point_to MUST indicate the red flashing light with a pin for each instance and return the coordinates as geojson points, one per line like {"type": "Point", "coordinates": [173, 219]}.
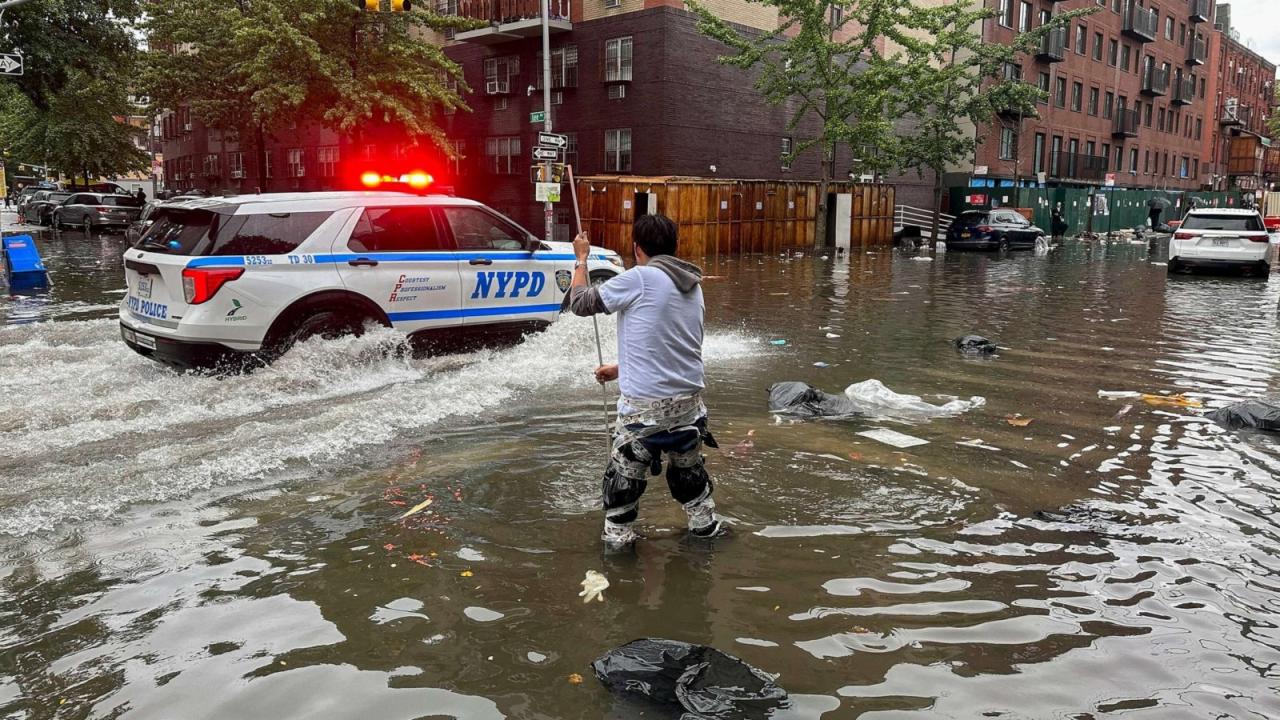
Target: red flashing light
{"type": "Point", "coordinates": [419, 180]}
{"type": "Point", "coordinates": [200, 284]}
{"type": "Point", "coordinates": [370, 179]}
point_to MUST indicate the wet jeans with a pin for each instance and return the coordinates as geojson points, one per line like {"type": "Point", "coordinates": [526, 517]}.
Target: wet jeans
{"type": "Point", "coordinates": [626, 477]}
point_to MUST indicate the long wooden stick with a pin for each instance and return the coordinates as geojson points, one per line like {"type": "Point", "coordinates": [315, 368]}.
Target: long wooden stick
{"type": "Point", "coordinates": [595, 323]}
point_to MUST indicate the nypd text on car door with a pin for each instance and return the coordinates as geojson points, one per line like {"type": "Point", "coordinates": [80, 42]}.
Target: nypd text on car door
{"type": "Point", "coordinates": [503, 281]}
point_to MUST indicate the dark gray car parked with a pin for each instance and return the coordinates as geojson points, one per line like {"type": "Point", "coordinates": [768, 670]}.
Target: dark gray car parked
{"type": "Point", "coordinates": [91, 211]}
{"type": "Point", "coordinates": [39, 209]}
{"type": "Point", "coordinates": [998, 229]}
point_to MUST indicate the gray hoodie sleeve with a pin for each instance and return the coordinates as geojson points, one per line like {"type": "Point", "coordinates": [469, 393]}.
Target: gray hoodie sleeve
{"type": "Point", "coordinates": [586, 301]}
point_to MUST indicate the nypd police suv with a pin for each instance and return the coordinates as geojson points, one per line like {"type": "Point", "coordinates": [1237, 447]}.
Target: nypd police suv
{"type": "Point", "coordinates": [213, 280]}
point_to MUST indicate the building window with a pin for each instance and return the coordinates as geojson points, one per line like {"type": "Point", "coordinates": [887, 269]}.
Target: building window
{"type": "Point", "coordinates": [1195, 172]}
{"type": "Point", "coordinates": [1147, 115]}
{"type": "Point", "coordinates": [235, 164]}
{"type": "Point", "coordinates": [571, 150]}
{"type": "Point", "coordinates": [459, 148]}
{"type": "Point", "coordinates": [1146, 162]}
{"type": "Point", "coordinates": [1090, 148]}
{"type": "Point", "coordinates": [1160, 120]}
{"type": "Point", "coordinates": [786, 153]}
{"type": "Point", "coordinates": [498, 72]}
{"type": "Point", "coordinates": [617, 150]}
{"type": "Point", "coordinates": [1125, 54]}
{"type": "Point", "coordinates": [1082, 39]}
{"type": "Point", "coordinates": [1055, 157]}
{"type": "Point", "coordinates": [1044, 87]}
{"type": "Point", "coordinates": [1012, 72]}
{"type": "Point", "coordinates": [1060, 94]}
{"type": "Point", "coordinates": [211, 165]}
{"type": "Point", "coordinates": [1077, 93]}
{"type": "Point", "coordinates": [1113, 53]}
{"type": "Point", "coordinates": [564, 68]}
{"type": "Point", "coordinates": [1108, 104]}
{"type": "Point", "coordinates": [1106, 152]}
{"type": "Point", "coordinates": [617, 59]}
{"type": "Point", "coordinates": [1006, 13]}
{"type": "Point", "coordinates": [1182, 34]}
{"type": "Point", "coordinates": [1199, 127]}
{"type": "Point", "coordinates": [501, 154]}
{"type": "Point", "coordinates": [327, 156]}
{"type": "Point", "coordinates": [1008, 143]}
{"type": "Point", "coordinates": [269, 165]}
{"type": "Point", "coordinates": [1097, 46]}
{"type": "Point", "coordinates": [1037, 160]}
{"type": "Point", "coordinates": [1184, 170]}
{"type": "Point", "coordinates": [1073, 157]}
{"type": "Point", "coordinates": [1119, 159]}
{"type": "Point", "coordinates": [1168, 28]}
{"type": "Point", "coordinates": [370, 152]}
{"type": "Point", "coordinates": [501, 103]}
{"type": "Point", "coordinates": [295, 163]}
{"type": "Point", "coordinates": [1024, 20]}
{"type": "Point", "coordinates": [1133, 161]}
{"type": "Point", "coordinates": [1093, 101]}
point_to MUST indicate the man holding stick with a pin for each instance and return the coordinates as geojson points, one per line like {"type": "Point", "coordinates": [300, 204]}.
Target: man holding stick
{"type": "Point", "coordinates": [660, 373]}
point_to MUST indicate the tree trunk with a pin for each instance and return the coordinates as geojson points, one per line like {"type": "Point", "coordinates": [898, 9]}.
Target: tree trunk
{"type": "Point", "coordinates": [824, 183]}
{"type": "Point", "coordinates": [260, 142]}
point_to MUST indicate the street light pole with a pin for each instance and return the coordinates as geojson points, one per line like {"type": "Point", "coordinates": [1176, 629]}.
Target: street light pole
{"type": "Point", "coordinates": [548, 208]}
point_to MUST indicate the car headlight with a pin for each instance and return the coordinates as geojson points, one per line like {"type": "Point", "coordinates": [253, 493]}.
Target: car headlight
{"type": "Point", "coordinates": [614, 259]}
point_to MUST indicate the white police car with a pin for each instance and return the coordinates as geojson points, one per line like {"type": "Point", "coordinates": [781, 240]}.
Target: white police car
{"type": "Point", "coordinates": [244, 278]}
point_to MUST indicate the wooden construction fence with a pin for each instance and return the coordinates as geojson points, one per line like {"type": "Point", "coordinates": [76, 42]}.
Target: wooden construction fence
{"type": "Point", "coordinates": [728, 217]}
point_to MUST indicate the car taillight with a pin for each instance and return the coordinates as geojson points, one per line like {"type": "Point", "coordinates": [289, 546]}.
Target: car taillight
{"type": "Point", "coordinates": [1183, 236]}
{"type": "Point", "coordinates": [1256, 237]}
{"type": "Point", "coordinates": [200, 284]}
{"type": "Point", "coordinates": [983, 228]}
{"type": "Point", "coordinates": [101, 208]}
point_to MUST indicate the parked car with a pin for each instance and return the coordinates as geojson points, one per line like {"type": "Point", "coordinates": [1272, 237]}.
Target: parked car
{"type": "Point", "coordinates": [24, 197]}
{"type": "Point", "coordinates": [1221, 239]}
{"type": "Point", "coordinates": [39, 209]}
{"type": "Point", "coordinates": [92, 211]}
{"type": "Point", "coordinates": [146, 218]}
{"type": "Point", "coordinates": [240, 280]}
{"type": "Point", "coordinates": [999, 229]}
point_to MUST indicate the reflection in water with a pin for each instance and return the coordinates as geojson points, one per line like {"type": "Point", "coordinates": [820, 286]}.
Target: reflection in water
{"type": "Point", "coordinates": [170, 535]}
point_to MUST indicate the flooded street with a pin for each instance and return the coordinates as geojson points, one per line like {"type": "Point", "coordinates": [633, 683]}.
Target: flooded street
{"type": "Point", "coordinates": [177, 546]}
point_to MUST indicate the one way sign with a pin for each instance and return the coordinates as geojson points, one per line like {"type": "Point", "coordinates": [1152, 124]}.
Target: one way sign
{"type": "Point", "coordinates": [10, 64]}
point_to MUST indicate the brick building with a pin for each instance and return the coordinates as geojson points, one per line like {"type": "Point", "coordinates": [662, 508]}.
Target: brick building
{"type": "Point", "coordinates": [1239, 152]}
{"type": "Point", "coordinates": [1128, 95]}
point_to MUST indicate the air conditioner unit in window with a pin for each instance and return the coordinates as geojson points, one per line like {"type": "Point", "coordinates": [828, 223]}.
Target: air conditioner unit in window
{"type": "Point", "coordinates": [237, 174]}
{"type": "Point", "coordinates": [617, 92]}
{"type": "Point", "coordinates": [497, 87]}
{"type": "Point", "coordinates": [613, 3]}
{"type": "Point", "coordinates": [186, 127]}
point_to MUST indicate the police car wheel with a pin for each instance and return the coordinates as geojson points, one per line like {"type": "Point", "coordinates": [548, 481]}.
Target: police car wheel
{"type": "Point", "coordinates": [327, 324]}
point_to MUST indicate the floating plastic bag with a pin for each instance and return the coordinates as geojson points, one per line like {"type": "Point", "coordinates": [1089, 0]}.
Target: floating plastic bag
{"type": "Point", "coordinates": [872, 398]}
{"type": "Point", "coordinates": [593, 587]}
{"type": "Point", "coordinates": [1251, 414]}
{"type": "Point", "coordinates": [806, 401]}
{"type": "Point", "coordinates": [706, 683]}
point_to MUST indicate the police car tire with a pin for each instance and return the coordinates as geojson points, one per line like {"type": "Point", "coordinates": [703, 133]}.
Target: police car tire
{"type": "Point", "coordinates": [328, 324]}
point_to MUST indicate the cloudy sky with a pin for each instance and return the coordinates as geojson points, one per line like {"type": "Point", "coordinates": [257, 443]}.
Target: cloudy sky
{"type": "Point", "coordinates": [1258, 22]}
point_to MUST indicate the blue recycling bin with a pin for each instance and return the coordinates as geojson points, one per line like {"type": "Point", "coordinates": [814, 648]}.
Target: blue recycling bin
{"type": "Point", "coordinates": [23, 268]}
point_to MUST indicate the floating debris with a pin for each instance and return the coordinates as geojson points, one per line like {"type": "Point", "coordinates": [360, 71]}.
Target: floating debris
{"type": "Point", "coordinates": [593, 587]}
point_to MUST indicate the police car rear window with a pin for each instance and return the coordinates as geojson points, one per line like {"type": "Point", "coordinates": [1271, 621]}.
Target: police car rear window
{"type": "Point", "coordinates": [198, 232]}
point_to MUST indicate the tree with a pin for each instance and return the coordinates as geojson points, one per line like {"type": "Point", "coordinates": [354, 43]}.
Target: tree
{"type": "Point", "coordinates": [826, 61]}
{"type": "Point", "coordinates": [257, 68]}
{"type": "Point", "coordinates": [60, 38]}
{"type": "Point", "coordinates": [954, 76]}
{"type": "Point", "coordinates": [80, 132]}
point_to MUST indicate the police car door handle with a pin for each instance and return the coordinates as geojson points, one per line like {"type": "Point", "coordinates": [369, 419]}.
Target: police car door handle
{"type": "Point", "coordinates": [481, 261]}
{"type": "Point", "coordinates": [367, 262]}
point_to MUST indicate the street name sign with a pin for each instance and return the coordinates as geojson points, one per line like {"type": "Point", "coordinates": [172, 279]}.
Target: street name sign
{"type": "Point", "coordinates": [545, 153]}
{"type": "Point", "coordinates": [552, 140]}
{"type": "Point", "coordinates": [10, 64]}
{"type": "Point", "coordinates": [538, 116]}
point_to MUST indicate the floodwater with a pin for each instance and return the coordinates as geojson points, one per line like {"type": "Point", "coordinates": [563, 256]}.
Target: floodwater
{"type": "Point", "coordinates": [174, 546]}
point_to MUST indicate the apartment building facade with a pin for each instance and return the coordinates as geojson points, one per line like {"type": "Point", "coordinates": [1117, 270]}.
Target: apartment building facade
{"type": "Point", "coordinates": [1128, 96]}
{"type": "Point", "coordinates": [1240, 153]}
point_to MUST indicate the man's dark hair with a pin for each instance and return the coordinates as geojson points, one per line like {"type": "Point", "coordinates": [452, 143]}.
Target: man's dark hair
{"type": "Point", "coordinates": [655, 235]}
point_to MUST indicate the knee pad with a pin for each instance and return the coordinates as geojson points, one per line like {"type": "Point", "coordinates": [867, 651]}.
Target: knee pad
{"type": "Point", "coordinates": [687, 479]}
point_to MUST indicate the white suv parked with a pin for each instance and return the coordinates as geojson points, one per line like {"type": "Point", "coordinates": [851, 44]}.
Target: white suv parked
{"type": "Point", "coordinates": [1217, 238]}
{"type": "Point", "coordinates": [214, 280]}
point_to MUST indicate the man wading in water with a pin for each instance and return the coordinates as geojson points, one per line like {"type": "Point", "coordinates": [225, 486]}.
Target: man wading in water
{"type": "Point", "coordinates": [659, 306]}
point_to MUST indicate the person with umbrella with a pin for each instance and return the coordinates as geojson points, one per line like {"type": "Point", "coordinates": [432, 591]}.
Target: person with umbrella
{"type": "Point", "coordinates": [1058, 224]}
{"type": "Point", "coordinates": [1156, 206]}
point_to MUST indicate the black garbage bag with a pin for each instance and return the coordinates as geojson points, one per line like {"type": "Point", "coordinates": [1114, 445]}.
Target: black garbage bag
{"type": "Point", "coordinates": [705, 683]}
{"type": "Point", "coordinates": [974, 344]}
{"type": "Point", "coordinates": [805, 400]}
{"type": "Point", "coordinates": [1251, 414]}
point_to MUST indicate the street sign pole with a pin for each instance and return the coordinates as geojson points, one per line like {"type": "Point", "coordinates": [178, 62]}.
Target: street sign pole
{"type": "Point", "coordinates": [548, 208]}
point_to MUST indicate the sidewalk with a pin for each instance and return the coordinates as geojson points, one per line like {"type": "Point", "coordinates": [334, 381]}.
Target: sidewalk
{"type": "Point", "coordinates": [9, 223]}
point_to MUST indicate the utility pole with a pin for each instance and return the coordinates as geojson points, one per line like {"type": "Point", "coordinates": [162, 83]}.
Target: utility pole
{"type": "Point", "coordinates": [547, 167]}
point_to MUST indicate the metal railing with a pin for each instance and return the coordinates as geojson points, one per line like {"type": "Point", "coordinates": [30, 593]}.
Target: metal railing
{"type": "Point", "coordinates": [508, 11]}
{"type": "Point", "coordinates": [1184, 91]}
{"type": "Point", "coordinates": [1126, 123]}
{"type": "Point", "coordinates": [1201, 10]}
{"type": "Point", "coordinates": [1198, 52]}
{"type": "Point", "coordinates": [1053, 46]}
{"type": "Point", "coordinates": [1140, 23]}
{"type": "Point", "coordinates": [1077, 166]}
{"type": "Point", "coordinates": [1155, 81]}
{"type": "Point", "coordinates": [905, 215]}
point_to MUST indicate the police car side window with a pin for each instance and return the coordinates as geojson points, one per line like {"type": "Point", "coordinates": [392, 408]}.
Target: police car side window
{"type": "Point", "coordinates": [475, 229]}
{"type": "Point", "coordinates": [407, 228]}
{"type": "Point", "coordinates": [268, 233]}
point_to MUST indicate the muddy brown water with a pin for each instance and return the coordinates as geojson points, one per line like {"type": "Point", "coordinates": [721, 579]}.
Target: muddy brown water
{"type": "Point", "coordinates": [188, 547]}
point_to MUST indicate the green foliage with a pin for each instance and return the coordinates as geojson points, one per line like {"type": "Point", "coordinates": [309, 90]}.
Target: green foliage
{"type": "Point", "coordinates": [264, 65]}
{"type": "Point", "coordinates": [78, 132]}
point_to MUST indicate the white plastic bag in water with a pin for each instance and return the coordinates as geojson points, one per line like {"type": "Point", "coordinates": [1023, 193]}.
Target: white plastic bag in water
{"type": "Point", "coordinates": [875, 400]}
